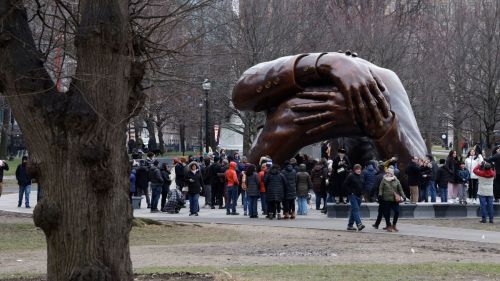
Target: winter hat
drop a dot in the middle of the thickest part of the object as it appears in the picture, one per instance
(390, 170)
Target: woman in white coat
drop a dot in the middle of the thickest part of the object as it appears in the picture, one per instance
(471, 162)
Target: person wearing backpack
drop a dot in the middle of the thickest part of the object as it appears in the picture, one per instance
(275, 183)
(252, 183)
(142, 181)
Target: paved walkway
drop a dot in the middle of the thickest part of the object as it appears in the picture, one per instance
(314, 220)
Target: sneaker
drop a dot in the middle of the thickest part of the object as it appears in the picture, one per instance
(351, 228)
(191, 214)
(19, 205)
(245, 214)
(491, 221)
(228, 213)
(195, 214)
(154, 211)
(235, 214)
(361, 227)
(375, 226)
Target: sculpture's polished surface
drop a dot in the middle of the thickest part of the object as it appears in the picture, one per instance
(314, 97)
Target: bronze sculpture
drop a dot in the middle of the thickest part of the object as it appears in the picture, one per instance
(313, 97)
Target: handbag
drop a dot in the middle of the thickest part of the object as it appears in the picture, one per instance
(397, 197)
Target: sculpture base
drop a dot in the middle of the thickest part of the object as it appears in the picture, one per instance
(417, 211)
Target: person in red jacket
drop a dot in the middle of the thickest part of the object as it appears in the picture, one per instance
(263, 199)
(232, 189)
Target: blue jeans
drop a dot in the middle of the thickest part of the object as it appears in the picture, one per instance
(355, 204)
(26, 190)
(431, 189)
(486, 203)
(232, 198)
(194, 206)
(155, 195)
(252, 205)
(302, 205)
(263, 202)
(244, 200)
(444, 193)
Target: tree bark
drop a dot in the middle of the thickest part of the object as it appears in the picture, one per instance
(78, 137)
(4, 141)
(182, 138)
(159, 127)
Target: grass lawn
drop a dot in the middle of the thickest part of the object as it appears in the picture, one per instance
(34, 239)
(372, 272)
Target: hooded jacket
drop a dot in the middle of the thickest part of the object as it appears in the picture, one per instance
(486, 177)
(317, 177)
(290, 189)
(155, 176)
(369, 176)
(275, 183)
(303, 181)
(193, 180)
(253, 185)
(231, 176)
(388, 186)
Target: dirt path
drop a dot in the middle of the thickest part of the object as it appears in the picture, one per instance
(263, 245)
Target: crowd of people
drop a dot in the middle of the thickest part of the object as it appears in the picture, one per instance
(224, 178)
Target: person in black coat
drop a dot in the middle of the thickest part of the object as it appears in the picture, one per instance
(290, 191)
(442, 180)
(452, 166)
(275, 183)
(495, 159)
(413, 172)
(216, 183)
(156, 179)
(340, 169)
(24, 182)
(354, 187)
(142, 181)
(194, 182)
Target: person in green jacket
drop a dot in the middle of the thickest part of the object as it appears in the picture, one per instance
(389, 187)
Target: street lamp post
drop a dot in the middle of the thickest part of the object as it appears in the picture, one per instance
(201, 130)
(206, 87)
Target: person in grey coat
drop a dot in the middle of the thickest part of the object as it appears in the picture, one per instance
(290, 191)
(253, 190)
(303, 184)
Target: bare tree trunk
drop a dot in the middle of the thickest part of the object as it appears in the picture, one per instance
(159, 127)
(182, 138)
(78, 137)
(4, 141)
